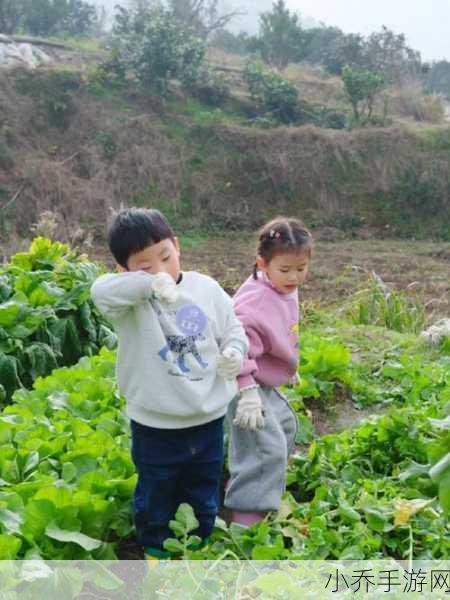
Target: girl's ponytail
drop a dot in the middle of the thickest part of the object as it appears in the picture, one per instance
(255, 271)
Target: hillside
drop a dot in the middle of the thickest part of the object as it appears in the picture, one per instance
(74, 145)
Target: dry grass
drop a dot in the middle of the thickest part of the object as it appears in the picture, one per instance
(106, 157)
(219, 57)
(315, 86)
(410, 101)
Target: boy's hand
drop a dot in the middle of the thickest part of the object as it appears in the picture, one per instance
(249, 410)
(164, 288)
(229, 363)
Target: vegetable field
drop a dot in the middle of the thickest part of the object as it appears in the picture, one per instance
(380, 488)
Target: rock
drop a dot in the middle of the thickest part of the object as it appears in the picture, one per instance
(437, 332)
(13, 54)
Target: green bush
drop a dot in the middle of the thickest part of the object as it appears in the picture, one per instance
(49, 17)
(104, 78)
(154, 47)
(361, 87)
(276, 97)
(281, 39)
(207, 86)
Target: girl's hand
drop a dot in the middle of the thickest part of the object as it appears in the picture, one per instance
(249, 411)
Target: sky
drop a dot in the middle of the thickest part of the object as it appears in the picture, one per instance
(426, 23)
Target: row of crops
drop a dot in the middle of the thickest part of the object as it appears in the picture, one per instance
(66, 475)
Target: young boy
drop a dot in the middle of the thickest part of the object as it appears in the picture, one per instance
(180, 350)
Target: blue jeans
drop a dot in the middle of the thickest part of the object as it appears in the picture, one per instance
(175, 466)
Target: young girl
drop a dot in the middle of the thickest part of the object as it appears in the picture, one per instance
(262, 425)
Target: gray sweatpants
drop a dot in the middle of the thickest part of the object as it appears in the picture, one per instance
(257, 460)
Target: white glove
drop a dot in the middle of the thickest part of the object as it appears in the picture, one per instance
(164, 288)
(229, 363)
(249, 410)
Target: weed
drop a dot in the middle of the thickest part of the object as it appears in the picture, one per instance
(378, 304)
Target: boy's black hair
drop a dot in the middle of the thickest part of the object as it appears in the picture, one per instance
(134, 229)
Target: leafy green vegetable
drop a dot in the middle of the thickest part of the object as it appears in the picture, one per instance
(66, 475)
(46, 316)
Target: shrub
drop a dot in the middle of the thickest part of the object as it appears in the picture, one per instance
(105, 77)
(361, 87)
(155, 48)
(274, 95)
(281, 39)
(206, 85)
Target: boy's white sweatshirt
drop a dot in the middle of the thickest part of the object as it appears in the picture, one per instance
(167, 354)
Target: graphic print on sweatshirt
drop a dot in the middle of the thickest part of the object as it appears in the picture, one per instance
(191, 321)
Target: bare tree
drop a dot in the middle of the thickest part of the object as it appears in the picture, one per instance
(203, 16)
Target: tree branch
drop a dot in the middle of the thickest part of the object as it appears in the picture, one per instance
(14, 198)
(224, 20)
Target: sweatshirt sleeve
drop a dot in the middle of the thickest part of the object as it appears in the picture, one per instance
(115, 293)
(232, 334)
(257, 347)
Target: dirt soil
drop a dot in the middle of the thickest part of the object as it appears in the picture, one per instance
(337, 270)
(339, 267)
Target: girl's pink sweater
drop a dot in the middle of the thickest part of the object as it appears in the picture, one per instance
(270, 320)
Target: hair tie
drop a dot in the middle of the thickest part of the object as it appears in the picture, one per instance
(274, 234)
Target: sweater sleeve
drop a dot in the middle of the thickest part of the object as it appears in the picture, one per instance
(116, 293)
(257, 347)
